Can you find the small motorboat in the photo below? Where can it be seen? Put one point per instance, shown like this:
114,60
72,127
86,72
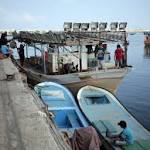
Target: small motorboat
62,105
104,111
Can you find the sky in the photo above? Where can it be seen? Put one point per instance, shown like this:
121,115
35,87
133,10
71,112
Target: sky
51,14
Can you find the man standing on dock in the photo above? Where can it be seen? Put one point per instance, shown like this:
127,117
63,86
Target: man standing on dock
3,45
21,54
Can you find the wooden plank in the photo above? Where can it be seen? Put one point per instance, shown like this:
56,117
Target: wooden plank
73,120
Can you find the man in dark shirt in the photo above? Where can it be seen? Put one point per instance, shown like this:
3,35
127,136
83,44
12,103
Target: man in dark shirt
21,54
119,54
3,39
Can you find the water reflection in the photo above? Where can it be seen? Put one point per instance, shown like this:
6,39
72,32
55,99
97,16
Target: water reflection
147,51
134,92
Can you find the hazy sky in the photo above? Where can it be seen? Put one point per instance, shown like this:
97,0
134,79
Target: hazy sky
51,14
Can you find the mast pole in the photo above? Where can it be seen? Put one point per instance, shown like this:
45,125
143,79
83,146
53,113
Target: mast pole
80,55
35,60
58,54
34,50
27,51
44,63
125,48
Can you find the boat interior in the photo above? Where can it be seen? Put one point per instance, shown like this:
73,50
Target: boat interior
67,119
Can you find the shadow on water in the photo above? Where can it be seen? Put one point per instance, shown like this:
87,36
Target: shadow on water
147,51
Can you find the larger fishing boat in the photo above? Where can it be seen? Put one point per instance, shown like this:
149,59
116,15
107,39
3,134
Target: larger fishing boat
70,56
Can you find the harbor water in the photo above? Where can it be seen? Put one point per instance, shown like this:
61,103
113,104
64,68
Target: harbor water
134,91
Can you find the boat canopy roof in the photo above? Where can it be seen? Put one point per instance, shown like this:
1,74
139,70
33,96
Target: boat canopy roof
69,38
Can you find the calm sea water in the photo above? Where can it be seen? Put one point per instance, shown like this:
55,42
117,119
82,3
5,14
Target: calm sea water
134,91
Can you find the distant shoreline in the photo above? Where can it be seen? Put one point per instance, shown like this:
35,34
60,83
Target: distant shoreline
46,30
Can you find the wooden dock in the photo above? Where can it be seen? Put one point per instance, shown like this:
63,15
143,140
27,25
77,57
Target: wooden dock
24,124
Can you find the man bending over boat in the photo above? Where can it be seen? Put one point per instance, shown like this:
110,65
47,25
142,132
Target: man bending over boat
124,138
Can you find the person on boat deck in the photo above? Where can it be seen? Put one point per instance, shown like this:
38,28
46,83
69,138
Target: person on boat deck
21,54
124,138
97,48
118,57
72,68
100,57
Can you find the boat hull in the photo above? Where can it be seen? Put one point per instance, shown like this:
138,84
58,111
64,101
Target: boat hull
109,80
110,84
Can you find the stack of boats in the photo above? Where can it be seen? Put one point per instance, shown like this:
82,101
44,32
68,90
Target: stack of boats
98,107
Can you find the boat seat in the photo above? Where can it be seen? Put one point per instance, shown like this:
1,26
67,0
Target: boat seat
109,126
99,126
73,120
103,125
139,145
61,108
